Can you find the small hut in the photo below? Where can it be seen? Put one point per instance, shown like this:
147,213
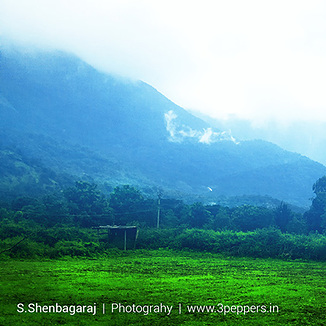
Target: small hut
117,234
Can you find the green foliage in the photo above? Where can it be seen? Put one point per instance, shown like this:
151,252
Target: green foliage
199,215
130,205
197,239
50,226
88,205
261,243
175,214
20,202
4,213
220,218
316,216
283,216
124,197
157,238
23,248
249,218
297,225
319,186
57,242
75,248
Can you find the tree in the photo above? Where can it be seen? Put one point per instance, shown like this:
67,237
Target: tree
283,215
221,219
56,208
319,186
249,218
129,205
199,215
88,204
316,216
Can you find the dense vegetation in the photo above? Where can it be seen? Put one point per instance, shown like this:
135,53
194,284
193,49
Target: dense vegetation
60,224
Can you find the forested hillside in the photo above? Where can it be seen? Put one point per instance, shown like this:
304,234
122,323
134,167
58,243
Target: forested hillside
62,121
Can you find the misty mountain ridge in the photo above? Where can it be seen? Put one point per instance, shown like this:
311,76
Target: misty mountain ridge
305,137
62,120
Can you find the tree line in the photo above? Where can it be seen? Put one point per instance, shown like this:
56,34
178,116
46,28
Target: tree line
60,224
84,205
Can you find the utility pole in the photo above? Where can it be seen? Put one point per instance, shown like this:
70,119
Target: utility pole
125,241
159,195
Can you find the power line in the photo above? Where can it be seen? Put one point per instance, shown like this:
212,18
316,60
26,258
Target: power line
86,214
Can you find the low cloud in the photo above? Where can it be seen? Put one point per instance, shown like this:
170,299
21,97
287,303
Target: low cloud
234,61
180,132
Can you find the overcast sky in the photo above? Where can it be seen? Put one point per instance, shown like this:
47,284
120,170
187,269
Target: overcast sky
257,60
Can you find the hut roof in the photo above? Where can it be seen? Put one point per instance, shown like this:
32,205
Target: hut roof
121,227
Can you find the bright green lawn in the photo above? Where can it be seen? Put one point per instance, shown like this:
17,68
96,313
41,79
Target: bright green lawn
167,277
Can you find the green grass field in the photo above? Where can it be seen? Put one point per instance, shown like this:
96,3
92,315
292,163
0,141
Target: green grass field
296,290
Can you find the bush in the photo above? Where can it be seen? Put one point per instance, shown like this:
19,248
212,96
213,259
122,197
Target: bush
75,248
22,249
156,238
262,243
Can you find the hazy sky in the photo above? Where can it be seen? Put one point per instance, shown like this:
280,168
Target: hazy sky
256,60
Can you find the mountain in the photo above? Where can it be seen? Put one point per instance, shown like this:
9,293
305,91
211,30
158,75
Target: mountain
305,137
62,120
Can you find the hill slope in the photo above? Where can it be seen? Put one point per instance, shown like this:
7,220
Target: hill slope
61,116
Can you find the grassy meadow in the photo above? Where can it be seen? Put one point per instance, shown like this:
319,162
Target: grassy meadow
128,284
